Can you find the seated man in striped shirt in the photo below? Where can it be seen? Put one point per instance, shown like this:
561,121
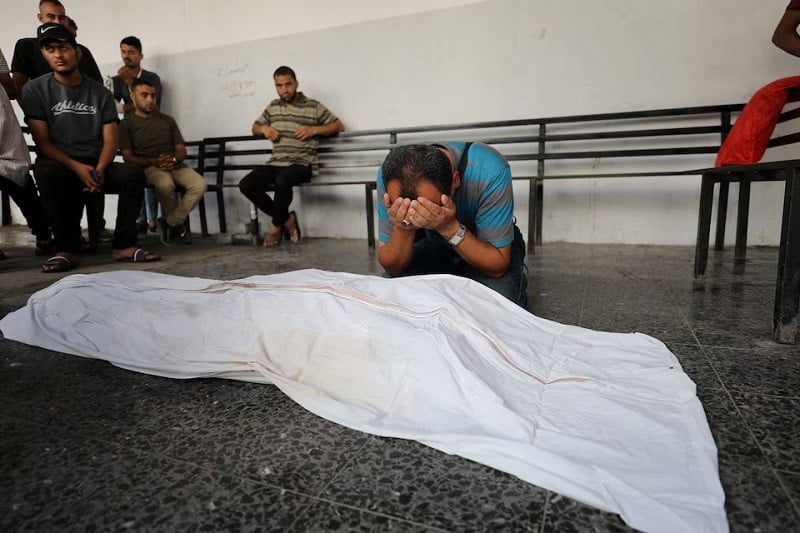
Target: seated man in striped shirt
293,123
461,195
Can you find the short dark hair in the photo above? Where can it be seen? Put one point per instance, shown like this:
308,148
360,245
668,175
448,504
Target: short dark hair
283,70
139,81
132,41
72,23
415,163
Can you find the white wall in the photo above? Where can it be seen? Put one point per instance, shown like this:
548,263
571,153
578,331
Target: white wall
380,64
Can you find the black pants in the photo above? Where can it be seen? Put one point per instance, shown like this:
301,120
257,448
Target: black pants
64,197
279,179
27,198
435,256
95,206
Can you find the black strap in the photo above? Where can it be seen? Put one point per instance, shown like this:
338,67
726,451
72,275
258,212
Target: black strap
462,163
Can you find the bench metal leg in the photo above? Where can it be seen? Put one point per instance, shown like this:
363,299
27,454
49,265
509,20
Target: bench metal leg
6,207
703,227
787,287
201,208
722,215
539,210
223,227
533,209
253,227
742,217
370,205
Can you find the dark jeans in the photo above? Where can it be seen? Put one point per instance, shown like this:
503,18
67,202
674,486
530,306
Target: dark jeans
438,257
27,198
64,197
279,179
95,206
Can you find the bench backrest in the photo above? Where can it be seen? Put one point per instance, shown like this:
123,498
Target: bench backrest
626,143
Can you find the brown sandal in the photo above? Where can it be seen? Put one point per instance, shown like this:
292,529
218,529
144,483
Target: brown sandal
292,228
273,236
139,255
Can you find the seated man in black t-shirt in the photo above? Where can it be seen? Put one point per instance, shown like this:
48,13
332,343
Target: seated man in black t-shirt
28,64
73,121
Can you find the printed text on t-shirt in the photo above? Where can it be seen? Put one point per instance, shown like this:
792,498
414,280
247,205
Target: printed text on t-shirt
76,108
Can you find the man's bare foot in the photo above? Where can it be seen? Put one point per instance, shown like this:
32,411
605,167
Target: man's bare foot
273,236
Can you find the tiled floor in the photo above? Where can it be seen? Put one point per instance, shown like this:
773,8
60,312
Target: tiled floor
87,446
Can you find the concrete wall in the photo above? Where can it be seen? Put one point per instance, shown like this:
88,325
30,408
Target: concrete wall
380,64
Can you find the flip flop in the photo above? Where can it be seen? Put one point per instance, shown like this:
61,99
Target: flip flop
58,263
294,233
140,255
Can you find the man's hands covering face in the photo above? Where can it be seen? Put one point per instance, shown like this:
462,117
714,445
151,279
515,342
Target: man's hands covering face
407,214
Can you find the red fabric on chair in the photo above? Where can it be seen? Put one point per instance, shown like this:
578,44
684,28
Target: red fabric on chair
747,141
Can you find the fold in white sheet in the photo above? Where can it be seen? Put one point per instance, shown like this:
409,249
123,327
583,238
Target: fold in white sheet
608,419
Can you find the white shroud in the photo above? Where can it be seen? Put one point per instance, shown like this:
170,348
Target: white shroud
606,418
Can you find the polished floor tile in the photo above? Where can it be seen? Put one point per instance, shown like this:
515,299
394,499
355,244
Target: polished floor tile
88,446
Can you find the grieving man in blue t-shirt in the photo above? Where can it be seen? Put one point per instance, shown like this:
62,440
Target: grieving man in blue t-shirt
461,195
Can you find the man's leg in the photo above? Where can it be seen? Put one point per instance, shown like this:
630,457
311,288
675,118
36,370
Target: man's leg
126,181
256,184
195,186
62,197
430,257
164,187
514,284
95,208
286,179
27,198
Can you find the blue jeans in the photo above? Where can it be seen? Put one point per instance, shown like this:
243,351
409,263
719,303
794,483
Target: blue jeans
438,257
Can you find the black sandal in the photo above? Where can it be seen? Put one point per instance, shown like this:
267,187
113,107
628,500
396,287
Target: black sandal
58,263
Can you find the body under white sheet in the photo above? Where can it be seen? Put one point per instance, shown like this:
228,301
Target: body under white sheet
608,419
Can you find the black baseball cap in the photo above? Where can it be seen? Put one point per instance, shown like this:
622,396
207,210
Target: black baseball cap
54,32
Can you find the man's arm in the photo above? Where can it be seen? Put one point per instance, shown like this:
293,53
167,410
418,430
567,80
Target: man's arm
109,151
395,255
41,136
180,153
157,85
5,78
8,85
20,66
20,80
138,160
481,255
303,133
266,130
785,36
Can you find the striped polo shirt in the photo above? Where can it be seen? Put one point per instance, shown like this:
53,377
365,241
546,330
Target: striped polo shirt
484,201
285,118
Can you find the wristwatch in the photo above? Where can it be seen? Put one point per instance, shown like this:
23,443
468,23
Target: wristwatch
456,239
